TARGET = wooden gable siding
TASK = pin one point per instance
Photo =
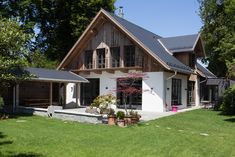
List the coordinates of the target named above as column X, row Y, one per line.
column 183, row 57
column 107, row 36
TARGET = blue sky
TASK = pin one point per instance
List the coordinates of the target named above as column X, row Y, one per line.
column 163, row 17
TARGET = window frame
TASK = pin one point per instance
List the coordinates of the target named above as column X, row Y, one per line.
column 115, row 56
column 88, row 59
column 100, row 58
column 129, row 55
column 176, row 92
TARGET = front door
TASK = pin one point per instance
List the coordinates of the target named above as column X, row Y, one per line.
column 89, row 91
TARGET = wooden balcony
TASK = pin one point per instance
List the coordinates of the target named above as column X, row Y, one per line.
column 109, row 66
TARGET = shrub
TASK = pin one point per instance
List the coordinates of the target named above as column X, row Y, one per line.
column 120, row 115
column 228, row 105
column 103, row 101
column 1, row 103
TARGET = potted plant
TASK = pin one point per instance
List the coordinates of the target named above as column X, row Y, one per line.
column 127, row 119
column 111, row 117
column 120, row 118
column 135, row 117
column 104, row 103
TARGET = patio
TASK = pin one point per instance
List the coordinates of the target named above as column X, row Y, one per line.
column 79, row 114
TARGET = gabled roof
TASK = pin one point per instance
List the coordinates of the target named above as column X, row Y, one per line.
column 144, row 38
column 55, row 75
column 204, row 72
column 184, row 43
column 150, row 41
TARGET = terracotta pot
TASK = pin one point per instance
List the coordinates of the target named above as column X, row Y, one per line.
column 121, row 123
column 127, row 120
column 111, row 120
column 134, row 120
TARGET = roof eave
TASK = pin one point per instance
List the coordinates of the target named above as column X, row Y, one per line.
column 80, row 38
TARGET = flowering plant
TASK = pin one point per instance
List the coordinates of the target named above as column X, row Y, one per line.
column 103, row 101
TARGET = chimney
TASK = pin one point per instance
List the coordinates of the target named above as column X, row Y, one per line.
column 120, row 12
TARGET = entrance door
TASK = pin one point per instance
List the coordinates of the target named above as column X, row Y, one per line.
column 89, row 91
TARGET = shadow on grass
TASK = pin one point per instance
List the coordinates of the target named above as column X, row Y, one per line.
column 26, row 155
column 4, row 142
column 230, row 120
column 2, row 135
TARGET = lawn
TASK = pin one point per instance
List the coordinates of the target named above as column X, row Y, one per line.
column 197, row 133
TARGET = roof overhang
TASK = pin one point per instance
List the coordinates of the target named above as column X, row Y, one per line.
column 46, row 75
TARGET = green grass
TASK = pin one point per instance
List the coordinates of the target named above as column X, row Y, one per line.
column 178, row 135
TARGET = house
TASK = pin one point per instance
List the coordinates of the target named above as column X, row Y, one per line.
column 111, row 47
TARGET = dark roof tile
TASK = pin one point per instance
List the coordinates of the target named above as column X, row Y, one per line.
column 55, row 75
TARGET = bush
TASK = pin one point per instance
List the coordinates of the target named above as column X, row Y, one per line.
column 1, row 103
column 120, row 115
column 228, row 105
column 103, row 101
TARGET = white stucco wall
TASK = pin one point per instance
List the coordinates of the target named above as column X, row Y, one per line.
column 168, row 82
column 157, row 89
column 108, row 82
column 71, row 92
column 153, row 95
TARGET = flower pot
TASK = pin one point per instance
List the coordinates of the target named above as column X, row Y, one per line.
column 174, row 108
column 121, row 123
column 127, row 120
column 134, row 120
column 111, row 120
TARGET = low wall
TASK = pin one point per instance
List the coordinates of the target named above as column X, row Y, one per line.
column 32, row 111
column 61, row 114
column 80, row 117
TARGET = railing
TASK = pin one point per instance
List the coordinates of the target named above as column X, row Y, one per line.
column 110, row 63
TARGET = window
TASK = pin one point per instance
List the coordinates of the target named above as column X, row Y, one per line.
column 129, row 56
column 192, row 59
column 100, row 58
column 88, row 59
column 115, row 56
column 134, row 100
column 176, row 92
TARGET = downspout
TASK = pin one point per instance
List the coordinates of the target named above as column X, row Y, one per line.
column 203, row 80
column 166, row 108
column 172, row 76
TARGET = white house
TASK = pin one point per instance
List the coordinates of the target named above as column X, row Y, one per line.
column 111, row 47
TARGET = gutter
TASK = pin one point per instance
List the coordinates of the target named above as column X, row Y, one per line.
column 172, row 75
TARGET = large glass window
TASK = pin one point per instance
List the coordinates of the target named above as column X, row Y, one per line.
column 115, row 56
column 129, row 56
column 100, row 58
column 124, row 88
column 88, row 59
column 176, row 92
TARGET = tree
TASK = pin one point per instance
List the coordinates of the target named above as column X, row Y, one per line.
column 13, row 49
column 57, row 24
column 218, row 33
column 126, row 86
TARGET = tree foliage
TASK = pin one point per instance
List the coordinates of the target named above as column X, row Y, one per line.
column 218, row 33
column 13, row 49
column 56, row 23
column 228, row 105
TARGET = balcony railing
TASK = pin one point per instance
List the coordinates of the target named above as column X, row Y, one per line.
column 110, row 63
